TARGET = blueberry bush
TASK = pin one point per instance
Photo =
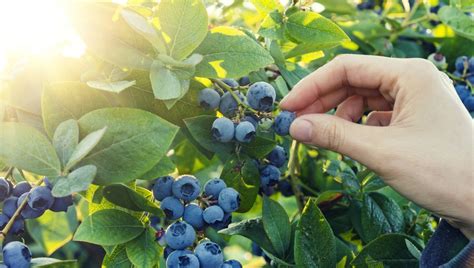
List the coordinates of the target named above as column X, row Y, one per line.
column 164, row 145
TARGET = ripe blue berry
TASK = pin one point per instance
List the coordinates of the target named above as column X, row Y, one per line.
column 10, row 206
column 462, row 91
column 209, row 254
column 285, row 188
column 266, row 190
column 40, row 198
column 277, row 156
column 228, row 105
column 162, row 187
column 209, row 98
column 4, row 189
column 16, row 254
column 213, row 214
column 167, row 251
column 3, row 220
column 231, row 82
column 61, row 203
column 252, row 119
column 261, row 96
column 155, row 223
column 224, row 223
column 213, row 187
column 457, row 74
column 244, row 81
column 229, row 200
column 231, row 264
column 283, row 122
column 461, row 63
column 223, row 129
column 21, row 188
column 469, row 103
column 29, row 212
column 182, row 259
column 186, row 187
column 269, row 175
column 172, row 207
column 18, row 226
column 193, row 216
column 244, row 132
column 470, row 78
column 471, row 64
column 180, row 235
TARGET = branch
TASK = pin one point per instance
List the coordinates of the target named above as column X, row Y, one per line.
column 236, row 98
column 293, row 178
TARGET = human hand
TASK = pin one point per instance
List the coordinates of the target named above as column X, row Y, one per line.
column 418, row 137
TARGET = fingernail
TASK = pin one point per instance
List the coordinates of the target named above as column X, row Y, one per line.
column 302, row 130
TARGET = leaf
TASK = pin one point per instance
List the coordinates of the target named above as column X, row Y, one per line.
column 53, row 263
column 253, row 230
column 124, row 196
column 390, row 249
column 141, row 25
column 277, row 226
column 259, row 147
column 380, row 215
column 77, row 181
column 183, row 24
column 267, row 6
column 134, row 142
column 66, row 138
column 117, row 258
column 85, row 147
column 164, row 167
column 228, row 52
column 315, row 245
column 200, row 129
column 109, row 227
column 272, row 26
column 26, row 148
column 68, row 100
column 165, row 83
column 52, row 230
column 111, row 86
column 144, row 250
column 461, row 23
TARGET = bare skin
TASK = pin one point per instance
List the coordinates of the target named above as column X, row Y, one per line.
column 418, row 137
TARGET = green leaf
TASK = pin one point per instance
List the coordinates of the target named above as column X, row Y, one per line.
column 461, row 23
column 111, row 86
column 315, row 245
column 277, row 226
column 124, row 196
column 242, row 175
column 69, row 100
column 117, row 258
column 183, row 24
column 259, row 147
column 272, row 26
column 142, row 26
column 165, row 83
column 65, row 140
column 132, row 134
column 338, row 6
column 380, row 215
column 109, row 227
column 200, row 129
column 313, row 28
column 26, row 148
column 228, row 52
column 85, row 147
column 164, row 167
column 389, row 249
column 53, row 263
column 267, row 6
column 77, row 181
column 253, row 230
column 52, row 230
column 144, row 250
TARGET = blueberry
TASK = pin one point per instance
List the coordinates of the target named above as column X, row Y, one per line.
column 180, row 235
column 3, row 220
column 18, row 226
column 213, row 214
column 186, row 187
column 256, row 249
column 461, row 63
column 162, row 187
column 229, row 200
column 269, row 175
column 438, row 59
column 228, row 105
column 252, row 119
column 213, row 187
column 209, row 98
column 366, row 5
column 457, row 74
column 10, row 206
column 261, row 96
column 155, row 223
column 266, row 190
column 29, row 212
column 4, row 189
column 21, row 188
column 167, row 251
column 219, row 225
column 470, row 78
column 61, row 203
column 463, row 91
column 223, row 129
column 231, row 264
column 471, row 64
column 244, row 132
column 182, row 259
column 193, row 216
column 209, row 254
column 277, row 156
column 285, row 188
column 16, row 254
column 244, row 81
column 172, row 207
column 231, row 82
column 40, row 198
column 283, row 122
column 469, row 103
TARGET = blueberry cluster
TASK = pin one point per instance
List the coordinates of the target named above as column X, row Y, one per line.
column 270, row 173
column 214, row 209
column 16, row 254
column 464, row 69
column 242, row 127
column 40, row 199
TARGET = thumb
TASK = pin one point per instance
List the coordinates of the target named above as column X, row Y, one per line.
column 360, row 142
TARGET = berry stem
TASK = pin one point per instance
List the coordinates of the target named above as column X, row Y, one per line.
column 236, row 98
column 9, row 172
column 293, row 178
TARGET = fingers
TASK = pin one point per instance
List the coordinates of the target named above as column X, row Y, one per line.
column 351, row 109
column 379, row 119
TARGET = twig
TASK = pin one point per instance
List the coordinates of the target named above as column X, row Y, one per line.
column 293, row 178
column 9, row 172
